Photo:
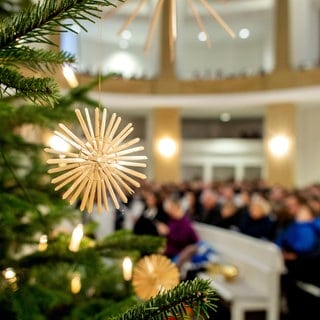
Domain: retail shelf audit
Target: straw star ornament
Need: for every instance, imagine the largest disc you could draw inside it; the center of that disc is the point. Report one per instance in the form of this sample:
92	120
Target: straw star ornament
154	274
98	169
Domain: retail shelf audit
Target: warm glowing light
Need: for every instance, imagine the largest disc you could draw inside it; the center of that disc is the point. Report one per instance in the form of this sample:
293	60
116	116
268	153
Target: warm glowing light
57	143
123	62
279	145
244	33
43	243
126	34
70	76
76	238
167	147
127	269
9	274
75	284
225	117
202	36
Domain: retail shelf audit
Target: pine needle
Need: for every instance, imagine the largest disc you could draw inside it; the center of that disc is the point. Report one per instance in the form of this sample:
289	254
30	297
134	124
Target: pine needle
196	295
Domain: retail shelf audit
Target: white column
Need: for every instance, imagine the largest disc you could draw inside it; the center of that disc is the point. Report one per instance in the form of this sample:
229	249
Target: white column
308	145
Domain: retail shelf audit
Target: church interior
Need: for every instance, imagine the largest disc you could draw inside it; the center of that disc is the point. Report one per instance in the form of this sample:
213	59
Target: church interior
177	174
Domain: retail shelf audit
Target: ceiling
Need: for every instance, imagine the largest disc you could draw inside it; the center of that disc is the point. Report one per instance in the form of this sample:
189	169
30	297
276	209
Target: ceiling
193	57
101	48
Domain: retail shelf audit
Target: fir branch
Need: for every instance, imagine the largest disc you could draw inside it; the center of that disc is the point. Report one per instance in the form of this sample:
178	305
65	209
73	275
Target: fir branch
43	90
126	240
25	191
123	242
34	59
15	177
197	295
9	7
37	22
80	94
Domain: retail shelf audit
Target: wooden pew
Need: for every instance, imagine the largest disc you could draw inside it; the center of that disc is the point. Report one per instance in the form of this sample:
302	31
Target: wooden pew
260	265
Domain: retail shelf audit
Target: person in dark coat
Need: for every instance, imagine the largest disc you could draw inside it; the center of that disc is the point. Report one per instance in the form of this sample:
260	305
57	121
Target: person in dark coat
258	221
152	213
230	216
210	207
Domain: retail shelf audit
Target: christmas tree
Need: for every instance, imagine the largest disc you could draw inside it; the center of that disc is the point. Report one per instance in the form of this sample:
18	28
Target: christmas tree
41	277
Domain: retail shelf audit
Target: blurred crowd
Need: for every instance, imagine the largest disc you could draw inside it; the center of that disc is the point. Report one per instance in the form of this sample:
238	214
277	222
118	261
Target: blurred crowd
288	218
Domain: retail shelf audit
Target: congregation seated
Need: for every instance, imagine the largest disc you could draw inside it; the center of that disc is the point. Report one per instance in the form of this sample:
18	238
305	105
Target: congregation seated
270	213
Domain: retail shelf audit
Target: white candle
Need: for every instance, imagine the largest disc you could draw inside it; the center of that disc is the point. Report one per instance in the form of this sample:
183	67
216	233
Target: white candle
127	268
43	243
71	78
76	238
75	283
10	275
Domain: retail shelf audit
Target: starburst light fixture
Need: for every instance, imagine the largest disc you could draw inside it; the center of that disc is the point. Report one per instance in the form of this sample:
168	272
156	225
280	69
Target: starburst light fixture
98	169
173	20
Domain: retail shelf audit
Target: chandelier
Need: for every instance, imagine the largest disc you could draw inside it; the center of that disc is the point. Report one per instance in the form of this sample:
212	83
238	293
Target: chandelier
172	20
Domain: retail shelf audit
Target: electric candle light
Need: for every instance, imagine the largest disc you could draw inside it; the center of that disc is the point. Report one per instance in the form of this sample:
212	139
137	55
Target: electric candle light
76	238
279	145
70	76
167	147
57	143
127	268
43	243
75	283
10	275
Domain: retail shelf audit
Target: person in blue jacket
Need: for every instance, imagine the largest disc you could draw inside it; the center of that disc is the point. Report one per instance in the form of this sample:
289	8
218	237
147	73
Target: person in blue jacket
300	245
301	237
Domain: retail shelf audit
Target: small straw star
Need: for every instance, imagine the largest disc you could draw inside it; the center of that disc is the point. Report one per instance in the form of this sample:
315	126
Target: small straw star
154	274
99	166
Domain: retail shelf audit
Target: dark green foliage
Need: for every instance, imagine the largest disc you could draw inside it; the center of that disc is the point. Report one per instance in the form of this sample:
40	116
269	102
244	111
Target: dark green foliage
29	206
196	294
37	22
128	241
34	24
34	59
38	90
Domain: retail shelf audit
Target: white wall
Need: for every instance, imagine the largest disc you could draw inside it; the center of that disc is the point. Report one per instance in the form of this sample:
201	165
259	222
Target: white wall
308	144
304	32
206	155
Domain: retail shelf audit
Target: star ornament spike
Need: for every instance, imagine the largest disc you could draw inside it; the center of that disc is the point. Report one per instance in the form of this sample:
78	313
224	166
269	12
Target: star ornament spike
100	167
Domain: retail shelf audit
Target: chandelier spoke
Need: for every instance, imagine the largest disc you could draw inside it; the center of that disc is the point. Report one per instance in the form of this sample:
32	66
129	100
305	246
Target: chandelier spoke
172	21
217	17
132	16
153	24
172	27
200	22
